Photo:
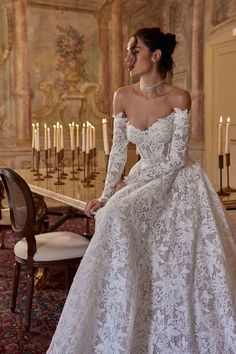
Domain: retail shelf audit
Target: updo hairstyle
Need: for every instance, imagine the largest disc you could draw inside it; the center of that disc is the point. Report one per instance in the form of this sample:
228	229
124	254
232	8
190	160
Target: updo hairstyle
154	39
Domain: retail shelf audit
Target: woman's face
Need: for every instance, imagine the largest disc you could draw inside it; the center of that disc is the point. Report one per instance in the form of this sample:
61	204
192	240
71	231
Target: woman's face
138	58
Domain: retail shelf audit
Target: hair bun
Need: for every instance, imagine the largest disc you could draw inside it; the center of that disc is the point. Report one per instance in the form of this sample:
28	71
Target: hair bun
170	40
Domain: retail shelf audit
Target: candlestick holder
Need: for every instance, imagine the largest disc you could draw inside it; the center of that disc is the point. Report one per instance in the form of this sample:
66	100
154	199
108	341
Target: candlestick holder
33	160
46	165
227	164
55	159
86	181
63	173
50	161
221	166
73	178
38	174
92	175
78	161
95	162
84	167
58	182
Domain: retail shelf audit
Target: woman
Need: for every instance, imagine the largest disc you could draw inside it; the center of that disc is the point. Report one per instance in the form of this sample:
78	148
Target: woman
158	274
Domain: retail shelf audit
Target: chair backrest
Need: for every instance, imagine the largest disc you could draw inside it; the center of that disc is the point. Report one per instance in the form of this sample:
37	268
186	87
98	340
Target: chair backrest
22	208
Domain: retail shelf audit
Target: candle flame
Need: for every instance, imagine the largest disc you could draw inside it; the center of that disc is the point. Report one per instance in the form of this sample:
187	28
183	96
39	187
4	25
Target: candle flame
228	120
221	119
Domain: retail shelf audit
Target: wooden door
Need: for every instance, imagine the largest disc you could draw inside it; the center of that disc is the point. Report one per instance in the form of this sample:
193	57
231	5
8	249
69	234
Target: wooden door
220	100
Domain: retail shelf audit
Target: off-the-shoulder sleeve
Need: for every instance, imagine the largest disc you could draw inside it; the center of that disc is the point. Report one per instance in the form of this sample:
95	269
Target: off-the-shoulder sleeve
177	155
118	157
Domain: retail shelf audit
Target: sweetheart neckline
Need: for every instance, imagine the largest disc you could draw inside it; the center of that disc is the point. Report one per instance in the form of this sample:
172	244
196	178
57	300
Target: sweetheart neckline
153	124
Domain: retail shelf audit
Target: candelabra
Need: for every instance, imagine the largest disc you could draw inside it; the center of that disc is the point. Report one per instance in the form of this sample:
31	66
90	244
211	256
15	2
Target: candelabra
47	165
62	155
221	166
38	177
84	166
107	161
92	175
95	161
55	158
58	160
86	180
78	156
73	178
227	164
50	161
33	159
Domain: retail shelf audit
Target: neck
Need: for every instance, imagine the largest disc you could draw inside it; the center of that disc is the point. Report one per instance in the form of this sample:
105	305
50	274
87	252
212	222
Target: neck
151	85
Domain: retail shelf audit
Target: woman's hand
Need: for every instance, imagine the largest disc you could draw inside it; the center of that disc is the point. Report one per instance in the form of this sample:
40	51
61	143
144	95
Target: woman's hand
120	185
92	206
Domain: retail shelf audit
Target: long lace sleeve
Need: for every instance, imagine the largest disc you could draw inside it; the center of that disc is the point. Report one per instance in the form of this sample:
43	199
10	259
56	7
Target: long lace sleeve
177	155
118	157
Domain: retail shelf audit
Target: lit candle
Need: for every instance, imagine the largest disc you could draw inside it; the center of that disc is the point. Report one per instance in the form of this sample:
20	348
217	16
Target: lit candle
73	136
77	135
37	137
105	137
33	135
61	137
87	138
83	137
58	138
220	137
45	137
94	137
91	137
54	135
227	150
49	139
70	136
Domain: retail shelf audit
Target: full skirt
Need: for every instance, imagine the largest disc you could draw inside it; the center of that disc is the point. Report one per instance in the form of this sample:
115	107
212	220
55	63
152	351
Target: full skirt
159	275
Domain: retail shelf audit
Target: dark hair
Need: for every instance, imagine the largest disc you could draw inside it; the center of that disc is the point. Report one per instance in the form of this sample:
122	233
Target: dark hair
154	39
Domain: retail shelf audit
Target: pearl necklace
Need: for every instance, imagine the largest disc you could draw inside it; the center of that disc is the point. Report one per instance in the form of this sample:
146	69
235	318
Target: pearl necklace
148	88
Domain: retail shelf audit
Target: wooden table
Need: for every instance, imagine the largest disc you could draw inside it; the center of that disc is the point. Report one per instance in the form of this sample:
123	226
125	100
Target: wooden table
72	193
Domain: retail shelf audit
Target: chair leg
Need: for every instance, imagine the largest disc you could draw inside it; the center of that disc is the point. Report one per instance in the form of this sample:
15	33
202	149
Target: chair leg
2	238
68	277
29	296
17	267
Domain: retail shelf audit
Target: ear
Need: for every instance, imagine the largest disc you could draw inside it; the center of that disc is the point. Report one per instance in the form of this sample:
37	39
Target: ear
156	55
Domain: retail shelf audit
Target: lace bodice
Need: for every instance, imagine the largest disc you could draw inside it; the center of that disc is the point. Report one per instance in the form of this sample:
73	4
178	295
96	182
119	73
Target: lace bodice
163	149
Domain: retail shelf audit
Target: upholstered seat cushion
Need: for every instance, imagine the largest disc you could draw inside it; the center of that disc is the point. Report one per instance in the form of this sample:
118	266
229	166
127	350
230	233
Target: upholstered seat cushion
53	246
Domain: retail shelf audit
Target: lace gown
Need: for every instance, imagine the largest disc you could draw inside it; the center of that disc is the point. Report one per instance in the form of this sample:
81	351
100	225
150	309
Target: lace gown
159	275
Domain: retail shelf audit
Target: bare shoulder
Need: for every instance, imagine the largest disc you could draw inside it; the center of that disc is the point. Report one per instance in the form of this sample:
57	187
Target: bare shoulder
121	98
179	98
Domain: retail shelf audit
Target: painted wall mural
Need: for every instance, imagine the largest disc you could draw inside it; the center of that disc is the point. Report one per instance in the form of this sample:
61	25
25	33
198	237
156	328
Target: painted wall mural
64	66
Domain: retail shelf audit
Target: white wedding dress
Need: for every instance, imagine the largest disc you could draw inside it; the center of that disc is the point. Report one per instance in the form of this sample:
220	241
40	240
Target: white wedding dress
159	275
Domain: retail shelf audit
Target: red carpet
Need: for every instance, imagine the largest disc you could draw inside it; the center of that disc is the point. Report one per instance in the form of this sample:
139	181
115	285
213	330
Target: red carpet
47	304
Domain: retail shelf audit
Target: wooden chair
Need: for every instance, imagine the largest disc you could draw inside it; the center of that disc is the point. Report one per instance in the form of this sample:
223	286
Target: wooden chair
5	222
59	248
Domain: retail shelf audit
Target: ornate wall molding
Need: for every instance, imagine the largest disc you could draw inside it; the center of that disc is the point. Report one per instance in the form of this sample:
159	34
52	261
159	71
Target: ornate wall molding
7	18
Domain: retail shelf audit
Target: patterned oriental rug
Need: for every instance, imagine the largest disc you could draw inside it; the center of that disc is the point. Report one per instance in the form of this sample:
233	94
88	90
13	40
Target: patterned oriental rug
47	302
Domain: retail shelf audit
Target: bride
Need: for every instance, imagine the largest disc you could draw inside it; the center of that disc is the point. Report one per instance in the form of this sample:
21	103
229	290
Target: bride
159	275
